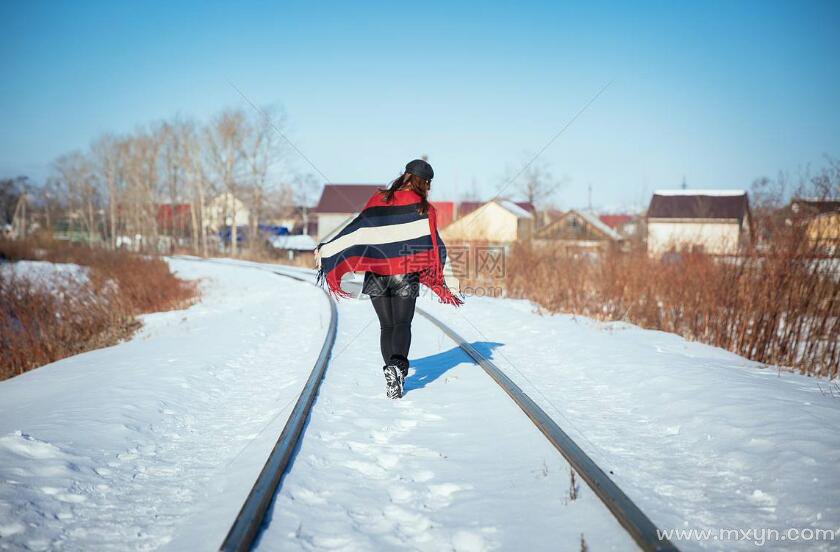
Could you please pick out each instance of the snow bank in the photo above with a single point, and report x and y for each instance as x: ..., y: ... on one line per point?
x: 46, y: 274
x: 157, y: 440
x: 699, y: 437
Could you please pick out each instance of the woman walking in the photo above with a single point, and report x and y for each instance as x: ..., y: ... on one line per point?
x: 394, y: 240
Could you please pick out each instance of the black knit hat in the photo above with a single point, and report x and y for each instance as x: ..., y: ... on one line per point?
x: 420, y: 168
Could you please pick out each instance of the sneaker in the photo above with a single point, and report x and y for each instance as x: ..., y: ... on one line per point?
x: 393, y: 381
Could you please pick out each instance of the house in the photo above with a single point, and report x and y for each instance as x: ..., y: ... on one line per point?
x: 628, y: 226
x: 338, y: 204
x: 445, y: 212
x: 173, y: 219
x: 225, y: 210
x: 821, y: 219
x: 499, y: 221
x: 578, y: 230
x: 713, y: 221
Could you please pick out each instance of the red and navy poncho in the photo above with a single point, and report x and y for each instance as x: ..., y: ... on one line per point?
x: 389, y: 238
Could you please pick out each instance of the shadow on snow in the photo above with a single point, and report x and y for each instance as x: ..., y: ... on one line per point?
x: 430, y: 368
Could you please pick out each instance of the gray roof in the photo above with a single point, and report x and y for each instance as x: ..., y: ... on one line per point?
x: 711, y: 204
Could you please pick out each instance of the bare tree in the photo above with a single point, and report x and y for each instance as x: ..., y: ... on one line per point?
x: 261, y: 151
x: 196, y: 177
x: 536, y: 183
x: 471, y: 193
x: 305, y: 190
x: 107, y: 155
x: 50, y: 199
x: 11, y: 190
x: 142, y: 180
x: 76, y: 173
x: 225, y: 139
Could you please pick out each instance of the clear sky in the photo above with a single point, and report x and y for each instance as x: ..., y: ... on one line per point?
x: 716, y: 92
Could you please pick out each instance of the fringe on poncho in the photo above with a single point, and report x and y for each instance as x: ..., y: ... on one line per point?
x: 389, y: 238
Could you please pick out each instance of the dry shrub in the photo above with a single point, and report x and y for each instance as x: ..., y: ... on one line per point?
x: 778, y: 306
x: 39, y: 325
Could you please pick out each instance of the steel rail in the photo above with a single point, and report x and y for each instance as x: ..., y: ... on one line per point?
x: 247, y: 524
x: 634, y: 521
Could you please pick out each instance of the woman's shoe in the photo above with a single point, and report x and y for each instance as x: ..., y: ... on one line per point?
x: 393, y: 381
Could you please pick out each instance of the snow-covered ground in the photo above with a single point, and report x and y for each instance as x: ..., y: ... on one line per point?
x: 454, y: 465
x: 158, y: 438
x: 698, y: 437
x: 156, y: 441
x: 45, y: 274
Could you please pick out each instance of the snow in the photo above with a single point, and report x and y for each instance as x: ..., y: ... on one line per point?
x: 678, y: 192
x: 454, y: 465
x: 698, y: 437
x: 514, y: 208
x: 300, y: 242
x: 593, y: 219
x: 157, y: 440
x: 46, y: 274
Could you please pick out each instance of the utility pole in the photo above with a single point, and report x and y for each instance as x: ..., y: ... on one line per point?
x: 589, y: 186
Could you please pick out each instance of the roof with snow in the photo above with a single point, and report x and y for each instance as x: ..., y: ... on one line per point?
x: 699, y: 204
x: 514, y: 208
x: 345, y: 198
x: 299, y: 242
x: 578, y: 225
x: 467, y: 207
x: 682, y: 192
x: 593, y: 219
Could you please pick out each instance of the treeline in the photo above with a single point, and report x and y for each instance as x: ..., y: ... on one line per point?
x: 170, y: 183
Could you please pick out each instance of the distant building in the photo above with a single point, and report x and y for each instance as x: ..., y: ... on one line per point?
x: 578, y: 230
x: 498, y: 221
x: 173, y: 219
x: 712, y: 221
x: 628, y: 226
x: 822, y: 221
x: 225, y: 210
x: 338, y: 205
x: 445, y: 212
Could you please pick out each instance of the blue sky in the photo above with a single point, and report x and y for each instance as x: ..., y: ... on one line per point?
x: 716, y: 92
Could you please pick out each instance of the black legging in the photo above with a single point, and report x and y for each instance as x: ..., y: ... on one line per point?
x: 395, y: 314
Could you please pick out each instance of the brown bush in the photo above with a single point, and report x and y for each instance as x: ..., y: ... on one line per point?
x: 40, y: 325
x: 776, y: 306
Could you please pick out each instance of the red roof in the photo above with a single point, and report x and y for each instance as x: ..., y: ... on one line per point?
x: 445, y: 210
x: 345, y: 198
x: 615, y: 221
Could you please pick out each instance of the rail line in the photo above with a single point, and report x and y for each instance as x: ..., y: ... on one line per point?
x: 248, y: 522
x: 634, y: 521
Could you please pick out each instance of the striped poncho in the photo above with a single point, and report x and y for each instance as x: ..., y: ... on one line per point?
x: 386, y: 239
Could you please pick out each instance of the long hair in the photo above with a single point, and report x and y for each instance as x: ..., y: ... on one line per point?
x: 407, y: 181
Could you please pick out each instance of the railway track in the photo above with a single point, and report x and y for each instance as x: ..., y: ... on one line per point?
x: 247, y: 524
